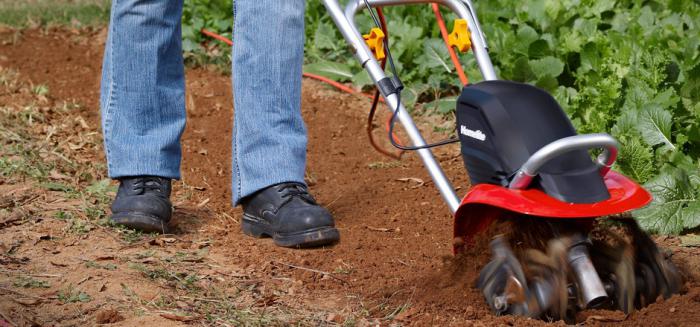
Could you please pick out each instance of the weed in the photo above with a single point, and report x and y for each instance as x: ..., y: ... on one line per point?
x: 179, y: 256
x: 145, y: 254
x: 101, y: 190
x: 63, y: 215
x: 29, y: 282
x: 95, y: 213
x: 129, y: 235
x: 178, y: 280
x: 78, y: 226
x: 59, y: 187
x: 107, y: 266
x: 71, y: 295
x: 40, y: 90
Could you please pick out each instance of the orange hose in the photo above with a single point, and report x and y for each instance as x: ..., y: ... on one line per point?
x: 443, y: 30
x: 338, y: 86
x: 328, y: 81
x: 216, y: 36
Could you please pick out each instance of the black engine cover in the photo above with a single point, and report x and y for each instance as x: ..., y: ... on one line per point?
x: 502, y: 123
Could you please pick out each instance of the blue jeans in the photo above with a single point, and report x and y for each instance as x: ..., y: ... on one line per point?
x: 143, y: 92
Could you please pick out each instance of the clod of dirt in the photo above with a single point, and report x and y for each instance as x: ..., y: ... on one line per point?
x: 108, y: 316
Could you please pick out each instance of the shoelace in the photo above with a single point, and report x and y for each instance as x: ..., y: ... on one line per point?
x: 290, y: 190
x: 144, y: 184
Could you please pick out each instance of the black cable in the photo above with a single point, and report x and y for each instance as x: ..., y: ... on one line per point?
x: 395, y: 113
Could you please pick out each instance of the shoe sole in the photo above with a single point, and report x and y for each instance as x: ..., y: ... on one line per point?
x: 305, y: 239
x: 141, y: 222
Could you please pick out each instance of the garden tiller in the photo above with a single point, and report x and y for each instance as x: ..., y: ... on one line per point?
x: 528, y: 167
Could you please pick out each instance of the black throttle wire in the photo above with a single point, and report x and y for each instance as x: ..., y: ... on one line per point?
x: 395, y: 113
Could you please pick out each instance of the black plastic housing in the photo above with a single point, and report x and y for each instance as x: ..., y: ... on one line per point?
x: 502, y: 123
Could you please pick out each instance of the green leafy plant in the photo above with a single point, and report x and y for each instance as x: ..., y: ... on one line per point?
x: 71, y: 295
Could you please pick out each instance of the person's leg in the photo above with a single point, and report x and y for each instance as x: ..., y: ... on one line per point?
x: 269, y: 141
x: 143, y: 89
x: 143, y: 108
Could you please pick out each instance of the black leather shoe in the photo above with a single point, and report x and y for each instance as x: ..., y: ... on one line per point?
x: 290, y: 215
x: 143, y: 203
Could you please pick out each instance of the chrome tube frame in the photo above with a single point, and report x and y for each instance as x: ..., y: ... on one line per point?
x: 531, y: 167
x: 346, y: 23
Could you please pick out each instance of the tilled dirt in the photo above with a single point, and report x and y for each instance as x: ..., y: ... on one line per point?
x: 394, y: 259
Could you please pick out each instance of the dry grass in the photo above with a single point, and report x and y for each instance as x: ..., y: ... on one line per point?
x: 62, y: 262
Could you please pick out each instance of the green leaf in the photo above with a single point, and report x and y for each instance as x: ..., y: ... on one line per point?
x: 636, y: 160
x: 83, y: 297
x: 548, y: 83
x: 522, y: 71
x: 538, y: 49
x: 674, y: 207
x: 646, y: 19
x: 436, y: 55
x: 410, y: 94
x: 526, y: 35
x: 692, y: 215
x: 443, y: 105
x: 666, y: 98
x: 334, y: 70
x: 590, y: 57
x: 547, y: 66
x: 361, y: 79
x: 655, y: 127
x: 324, y: 37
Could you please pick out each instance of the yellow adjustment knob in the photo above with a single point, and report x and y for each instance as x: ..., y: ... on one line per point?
x: 375, y: 41
x: 460, y: 36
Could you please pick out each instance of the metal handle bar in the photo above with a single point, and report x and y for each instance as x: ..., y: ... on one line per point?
x: 531, y: 167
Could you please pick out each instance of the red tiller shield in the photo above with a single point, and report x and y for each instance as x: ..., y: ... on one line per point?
x: 485, y: 203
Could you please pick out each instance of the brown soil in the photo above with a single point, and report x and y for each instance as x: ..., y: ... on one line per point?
x: 395, y: 251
